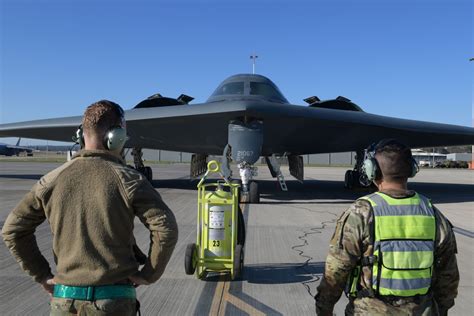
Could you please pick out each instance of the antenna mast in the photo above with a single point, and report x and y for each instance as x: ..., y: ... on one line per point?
x: 254, y: 59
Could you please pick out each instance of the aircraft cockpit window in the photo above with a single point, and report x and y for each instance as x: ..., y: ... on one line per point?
x: 266, y: 90
x: 230, y: 88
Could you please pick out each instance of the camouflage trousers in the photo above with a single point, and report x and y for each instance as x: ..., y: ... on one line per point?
x: 372, y: 306
x: 65, y: 306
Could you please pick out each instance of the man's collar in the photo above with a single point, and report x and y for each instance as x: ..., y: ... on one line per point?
x: 106, y: 154
x: 398, y: 193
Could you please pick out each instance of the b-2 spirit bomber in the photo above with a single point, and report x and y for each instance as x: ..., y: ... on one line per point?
x: 247, y: 117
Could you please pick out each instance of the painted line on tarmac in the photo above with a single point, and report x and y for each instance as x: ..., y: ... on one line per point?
x: 217, y: 307
x: 231, y: 300
x: 205, y: 299
x: 211, y: 301
x: 240, y: 304
x: 237, y: 300
x: 224, y: 297
x: 464, y: 232
x: 221, y: 293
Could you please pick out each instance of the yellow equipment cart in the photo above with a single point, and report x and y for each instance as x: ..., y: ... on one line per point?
x: 218, y: 247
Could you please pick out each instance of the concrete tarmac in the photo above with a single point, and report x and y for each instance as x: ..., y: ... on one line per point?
x: 287, y: 242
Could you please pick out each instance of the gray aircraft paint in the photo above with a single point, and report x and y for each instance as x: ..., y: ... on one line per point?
x: 292, y: 129
x: 247, y: 140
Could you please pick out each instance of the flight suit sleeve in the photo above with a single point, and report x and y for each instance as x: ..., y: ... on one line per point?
x: 446, y: 273
x: 344, y: 252
x: 18, y: 234
x: 161, y: 222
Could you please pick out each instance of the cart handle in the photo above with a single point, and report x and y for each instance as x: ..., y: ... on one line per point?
x: 213, y: 166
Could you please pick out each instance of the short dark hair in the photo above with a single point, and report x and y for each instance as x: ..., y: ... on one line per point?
x: 394, y: 159
x: 100, y: 116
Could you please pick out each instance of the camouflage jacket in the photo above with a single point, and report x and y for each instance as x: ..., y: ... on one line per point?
x: 352, y: 240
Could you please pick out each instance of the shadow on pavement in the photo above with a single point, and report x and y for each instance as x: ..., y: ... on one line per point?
x: 312, y: 190
x: 22, y: 176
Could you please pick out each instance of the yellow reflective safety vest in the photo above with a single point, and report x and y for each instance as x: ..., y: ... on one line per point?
x: 404, y: 235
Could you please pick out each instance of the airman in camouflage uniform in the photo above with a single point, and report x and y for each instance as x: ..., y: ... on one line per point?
x: 353, y: 240
x: 91, y: 203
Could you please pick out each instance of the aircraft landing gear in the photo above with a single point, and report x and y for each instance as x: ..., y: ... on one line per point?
x: 139, y: 166
x: 254, y: 194
x: 353, y: 179
x: 250, y: 192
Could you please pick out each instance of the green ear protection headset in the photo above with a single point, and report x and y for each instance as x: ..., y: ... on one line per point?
x: 115, y: 137
x: 371, y: 168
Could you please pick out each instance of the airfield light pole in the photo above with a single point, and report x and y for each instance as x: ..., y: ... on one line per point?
x: 254, y: 59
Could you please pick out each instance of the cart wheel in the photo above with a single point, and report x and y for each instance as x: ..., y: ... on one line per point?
x: 189, y: 264
x: 238, y: 261
x: 240, y: 227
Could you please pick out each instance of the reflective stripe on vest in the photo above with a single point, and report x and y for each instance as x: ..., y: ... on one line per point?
x: 405, y: 231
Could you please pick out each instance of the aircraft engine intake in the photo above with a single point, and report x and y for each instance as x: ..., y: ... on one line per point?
x: 246, y: 140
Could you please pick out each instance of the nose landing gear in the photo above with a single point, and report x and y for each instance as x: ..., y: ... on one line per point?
x: 137, y: 154
x: 250, y: 192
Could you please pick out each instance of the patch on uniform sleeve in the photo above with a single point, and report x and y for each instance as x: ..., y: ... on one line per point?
x: 336, y: 239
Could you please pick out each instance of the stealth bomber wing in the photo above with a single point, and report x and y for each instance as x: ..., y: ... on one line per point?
x: 249, y: 113
x: 324, y: 126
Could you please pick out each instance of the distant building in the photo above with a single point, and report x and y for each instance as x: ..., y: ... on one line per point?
x: 426, y: 159
x: 423, y: 158
x: 460, y: 157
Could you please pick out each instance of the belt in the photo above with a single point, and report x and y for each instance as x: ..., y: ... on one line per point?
x: 390, y: 299
x: 92, y: 293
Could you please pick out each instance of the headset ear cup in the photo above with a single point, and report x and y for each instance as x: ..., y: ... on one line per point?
x: 79, y: 138
x: 370, y: 168
x: 115, y: 139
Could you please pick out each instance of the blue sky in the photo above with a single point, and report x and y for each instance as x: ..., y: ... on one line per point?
x: 407, y: 59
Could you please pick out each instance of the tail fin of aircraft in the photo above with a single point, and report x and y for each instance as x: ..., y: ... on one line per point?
x: 18, y: 142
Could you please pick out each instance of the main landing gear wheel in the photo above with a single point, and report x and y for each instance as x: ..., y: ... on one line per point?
x: 349, y: 179
x: 240, y: 228
x: 137, y: 154
x: 254, y: 194
x: 189, y: 261
x: 149, y: 173
x: 238, y: 262
x: 239, y: 182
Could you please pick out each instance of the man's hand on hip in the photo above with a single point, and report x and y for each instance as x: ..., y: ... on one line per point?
x: 138, y: 280
x: 48, y: 285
